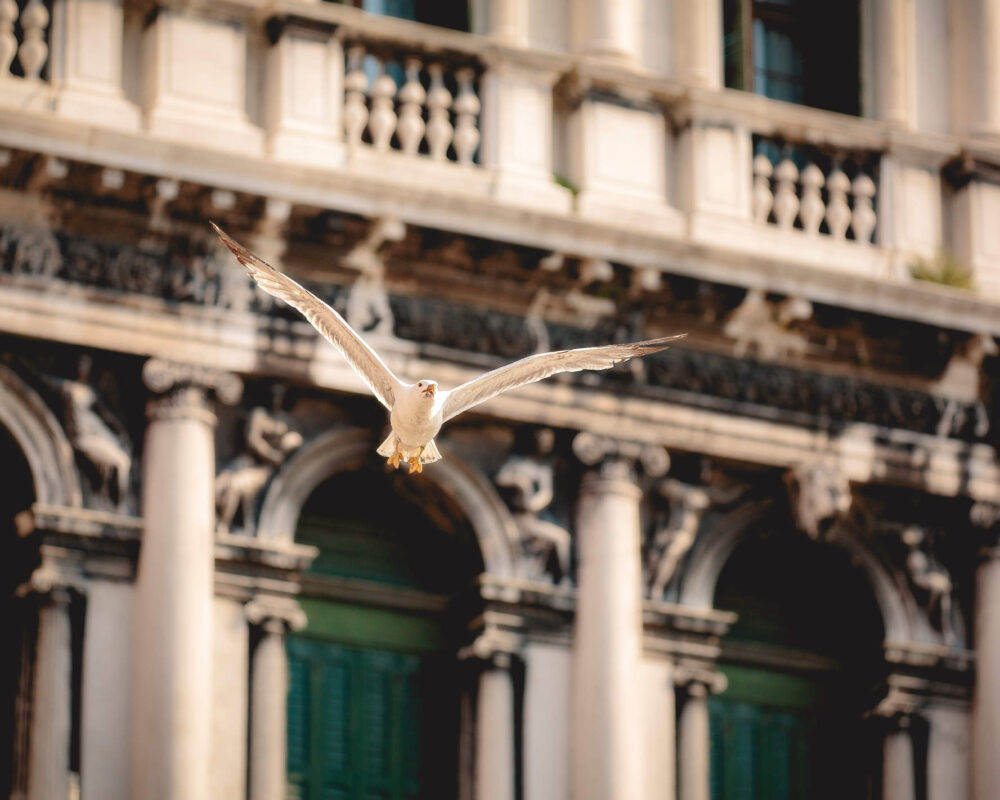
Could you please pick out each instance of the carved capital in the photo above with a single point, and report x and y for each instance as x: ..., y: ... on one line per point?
x: 162, y: 376
x: 275, y: 614
x: 699, y: 680
x: 49, y: 582
x: 594, y: 450
x: 492, y: 649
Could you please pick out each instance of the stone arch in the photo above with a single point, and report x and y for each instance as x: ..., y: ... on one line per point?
x: 42, y: 440
x: 345, y: 449
x: 900, y: 615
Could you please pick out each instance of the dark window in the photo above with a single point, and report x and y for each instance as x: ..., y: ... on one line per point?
x: 443, y: 13
x: 800, y: 51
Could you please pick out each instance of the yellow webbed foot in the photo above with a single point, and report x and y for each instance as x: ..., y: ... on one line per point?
x: 415, y: 465
x: 394, y: 461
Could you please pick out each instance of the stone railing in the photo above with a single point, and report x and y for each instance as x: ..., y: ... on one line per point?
x: 24, y: 47
x: 805, y: 188
x: 404, y: 100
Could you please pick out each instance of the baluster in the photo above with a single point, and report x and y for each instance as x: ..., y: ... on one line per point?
x: 811, y: 206
x: 763, y: 199
x: 34, y: 51
x: 355, y: 109
x: 439, y: 130
x: 863, y: 219
x: 838, y: 212
x: 410, y: 128
x: 382, y: 121
x: 786, y: 204
x: 466, y: 108
x: 8, y: 41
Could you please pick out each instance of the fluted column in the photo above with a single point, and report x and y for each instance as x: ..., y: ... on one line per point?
x: 51, y: 704
x: 172, y: 643
x: 607, y: 28
x: 986, y: 696
x: 269, y: 695
x: 607, y: 645
x: 693, y: 732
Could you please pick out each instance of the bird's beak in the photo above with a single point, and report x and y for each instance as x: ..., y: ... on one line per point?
x: 432, y: 389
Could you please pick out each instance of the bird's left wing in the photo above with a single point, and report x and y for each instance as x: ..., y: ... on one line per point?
x: 334, y: 328
x: 536, y: 367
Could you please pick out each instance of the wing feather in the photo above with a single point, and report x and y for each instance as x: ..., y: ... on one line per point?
x: 542, y: 365
x: 333, y: 327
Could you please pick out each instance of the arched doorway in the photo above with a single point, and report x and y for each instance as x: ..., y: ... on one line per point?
x: 802, y: 662
x: 20, y: 557
x: 373, y: 706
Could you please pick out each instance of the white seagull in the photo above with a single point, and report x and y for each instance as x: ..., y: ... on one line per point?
x: 417, y: 410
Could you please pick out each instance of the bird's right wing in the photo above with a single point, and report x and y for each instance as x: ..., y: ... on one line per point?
x: 334, y: 328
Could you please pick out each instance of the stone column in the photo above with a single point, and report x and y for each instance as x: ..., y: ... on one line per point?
x: 977, y: 35
x: 52, y: 695
x: 172, y: 645
x: 895, y: 84
x: 607, y: 28
x: 693, y: 742
x: 494, y: 759
x: 698, y: 38
x: 508, y: 21
x: 269, y: 694
x: 607, y: 634
x: 898, y: 778
x: 986, y: 696
x: 495, y: 769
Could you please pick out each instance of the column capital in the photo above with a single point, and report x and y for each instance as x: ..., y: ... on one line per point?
x: 491, y: 648
x: 699, y: 680
x: 162, y: 376
x: 275, y: 614
x: 615, y: 458
x: 51, y: 583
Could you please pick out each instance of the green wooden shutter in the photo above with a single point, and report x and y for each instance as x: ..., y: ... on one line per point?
x: 355, y: 723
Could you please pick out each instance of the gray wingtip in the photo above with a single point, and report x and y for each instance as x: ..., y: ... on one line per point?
x: 653, y: 345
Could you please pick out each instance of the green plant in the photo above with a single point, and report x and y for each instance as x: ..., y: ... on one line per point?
x: 566, y: 183
x: 943, y: 268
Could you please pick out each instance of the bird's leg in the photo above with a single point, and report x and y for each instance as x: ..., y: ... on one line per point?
x: 415, y: 463
x: 394, y: 461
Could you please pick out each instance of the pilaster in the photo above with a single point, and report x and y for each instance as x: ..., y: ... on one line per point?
x: 607, y: 29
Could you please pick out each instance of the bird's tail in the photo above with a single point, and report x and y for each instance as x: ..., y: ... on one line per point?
x: 388, y: 447
x: 431, y: 453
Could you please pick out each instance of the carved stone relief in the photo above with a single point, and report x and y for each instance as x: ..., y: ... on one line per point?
x: 930, y: 577
x: 269, y: 441
x: 820, y: 495
x: 545, y: 545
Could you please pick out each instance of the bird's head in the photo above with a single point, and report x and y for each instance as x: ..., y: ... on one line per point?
x: 427, y: 389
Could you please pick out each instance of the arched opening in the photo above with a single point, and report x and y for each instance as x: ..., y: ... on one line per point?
x: 802, y: 662
x: 373, y: 706
x: 20, y: 557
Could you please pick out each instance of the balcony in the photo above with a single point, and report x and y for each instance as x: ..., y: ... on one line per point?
x: 323, y: 104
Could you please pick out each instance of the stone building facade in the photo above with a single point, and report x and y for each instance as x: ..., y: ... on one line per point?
x: 763, y: 564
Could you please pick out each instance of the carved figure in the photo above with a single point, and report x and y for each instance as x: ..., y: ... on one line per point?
x: 533, y: 485
x: 93, y: 438
x: 269, y: 441
x: 687, y: 504
x: 368, y: 303
x: 932, y: 577
x: 820, y: 495
x: 959, y: 385
x: 762, y: 327
x: 31, y: 250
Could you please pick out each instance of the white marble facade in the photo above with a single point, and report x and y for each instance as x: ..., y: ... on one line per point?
x: 596, y: 139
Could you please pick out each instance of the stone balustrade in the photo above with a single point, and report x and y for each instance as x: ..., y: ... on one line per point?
x: 406, y: 101
x: 820, y: 194
x: 490, y: 119
x: 24, y: 30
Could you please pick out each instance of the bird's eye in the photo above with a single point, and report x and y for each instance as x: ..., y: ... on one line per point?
x: 421, y: 384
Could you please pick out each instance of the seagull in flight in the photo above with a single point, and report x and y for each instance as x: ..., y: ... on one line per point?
x: 417, y: 410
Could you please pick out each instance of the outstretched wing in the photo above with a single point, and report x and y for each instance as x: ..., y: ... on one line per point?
x: 334, y: 328
x: 536, y: 367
